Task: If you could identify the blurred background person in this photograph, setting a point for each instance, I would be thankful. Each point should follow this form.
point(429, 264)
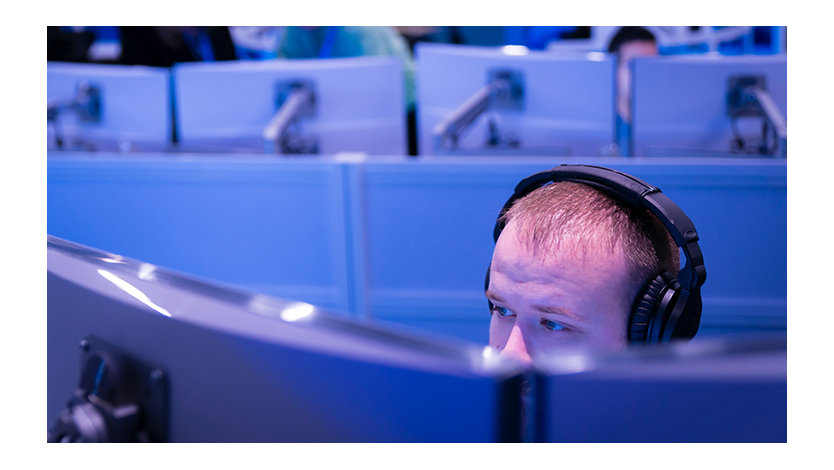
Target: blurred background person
point(66, 44)
point(164, 46)
point(628, 43)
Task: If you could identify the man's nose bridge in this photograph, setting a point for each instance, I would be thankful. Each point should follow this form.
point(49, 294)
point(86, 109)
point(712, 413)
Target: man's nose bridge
point(515, 334)
point(516, 342)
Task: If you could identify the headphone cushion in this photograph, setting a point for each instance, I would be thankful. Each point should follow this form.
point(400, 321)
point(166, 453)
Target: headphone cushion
point(645, 307)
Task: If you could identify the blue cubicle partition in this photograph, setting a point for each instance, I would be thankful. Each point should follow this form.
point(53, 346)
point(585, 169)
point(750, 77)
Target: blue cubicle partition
point(134, 105)
point(358, 104)
point(398, 239)
point(278, 227)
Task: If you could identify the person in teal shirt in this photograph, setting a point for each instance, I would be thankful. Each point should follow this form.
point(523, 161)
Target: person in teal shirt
point(322, 42)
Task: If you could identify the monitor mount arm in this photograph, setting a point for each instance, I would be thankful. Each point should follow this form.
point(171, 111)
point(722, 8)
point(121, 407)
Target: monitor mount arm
point(504, 90)
point(774, 118)
point(86, 104)
point(749, 93)
point(295, 99)
point(119, 398)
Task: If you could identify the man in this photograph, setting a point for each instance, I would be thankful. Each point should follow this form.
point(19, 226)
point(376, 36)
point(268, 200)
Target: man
point(567, 268)
point(629, 43)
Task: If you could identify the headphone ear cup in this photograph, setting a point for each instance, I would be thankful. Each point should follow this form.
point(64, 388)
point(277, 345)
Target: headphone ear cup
point(644, 311)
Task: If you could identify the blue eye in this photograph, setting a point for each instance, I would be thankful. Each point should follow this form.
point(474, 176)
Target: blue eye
point(552, 325)
point(501, 311)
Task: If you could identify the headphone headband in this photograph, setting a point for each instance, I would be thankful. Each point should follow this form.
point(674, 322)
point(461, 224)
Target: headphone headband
point(623, 187)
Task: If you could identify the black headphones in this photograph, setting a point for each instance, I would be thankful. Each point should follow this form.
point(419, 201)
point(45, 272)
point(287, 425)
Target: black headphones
point(668, 307)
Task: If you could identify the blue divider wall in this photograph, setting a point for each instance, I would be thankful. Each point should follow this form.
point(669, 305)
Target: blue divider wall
point(277, 227)
point(398, 239)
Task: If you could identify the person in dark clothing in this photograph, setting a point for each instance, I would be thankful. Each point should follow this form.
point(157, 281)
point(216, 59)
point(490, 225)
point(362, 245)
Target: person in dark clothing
point(64, 45)
point(164, 46)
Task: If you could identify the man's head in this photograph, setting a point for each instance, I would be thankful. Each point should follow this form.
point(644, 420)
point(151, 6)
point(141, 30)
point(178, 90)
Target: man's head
point(567, 268)
point(629, 43)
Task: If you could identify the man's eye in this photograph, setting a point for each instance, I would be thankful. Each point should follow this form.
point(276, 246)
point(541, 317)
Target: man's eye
point(501, 311)
point(552, 325)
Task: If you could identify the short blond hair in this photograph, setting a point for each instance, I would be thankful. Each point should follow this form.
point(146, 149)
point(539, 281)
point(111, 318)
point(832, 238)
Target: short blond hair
point(583, 217)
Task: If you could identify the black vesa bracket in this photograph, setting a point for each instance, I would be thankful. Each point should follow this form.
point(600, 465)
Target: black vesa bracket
point(740, 97)
point(118, 399)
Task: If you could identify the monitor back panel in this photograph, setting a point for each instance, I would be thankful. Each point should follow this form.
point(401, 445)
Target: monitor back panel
point(730, 397)
point(240, 371)
point(567, 108)
point(680, 103)
point(359, 104)
point(135, 110)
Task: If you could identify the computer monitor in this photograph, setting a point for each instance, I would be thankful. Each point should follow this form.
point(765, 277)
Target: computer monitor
point(709, 105)
point(310, 106)
point(136, 352)
point(513, 101)
point(107, 107)
point(723, 389)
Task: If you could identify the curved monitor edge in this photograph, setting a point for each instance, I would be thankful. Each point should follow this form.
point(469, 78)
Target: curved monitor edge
point(347, 336)
point(681, 355)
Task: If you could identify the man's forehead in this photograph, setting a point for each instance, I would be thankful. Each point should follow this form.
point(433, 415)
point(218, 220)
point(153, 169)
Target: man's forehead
point(590, 249)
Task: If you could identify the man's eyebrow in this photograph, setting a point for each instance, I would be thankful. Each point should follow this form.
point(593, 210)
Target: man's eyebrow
point(492, 295)
point(556, 310)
